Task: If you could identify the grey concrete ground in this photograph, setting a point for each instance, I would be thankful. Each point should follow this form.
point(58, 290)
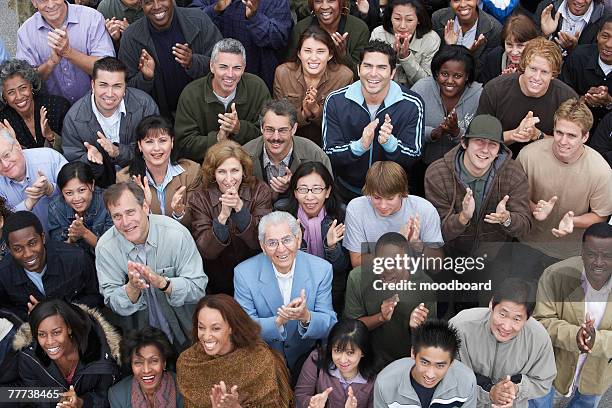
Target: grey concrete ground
point(8, 33)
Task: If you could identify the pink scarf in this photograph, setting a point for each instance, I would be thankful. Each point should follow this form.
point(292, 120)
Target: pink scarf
point(312, 232)
point(165, 396)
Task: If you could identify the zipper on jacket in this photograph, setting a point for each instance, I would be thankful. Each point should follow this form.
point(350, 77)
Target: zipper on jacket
point(494, 361)
point(45, 370)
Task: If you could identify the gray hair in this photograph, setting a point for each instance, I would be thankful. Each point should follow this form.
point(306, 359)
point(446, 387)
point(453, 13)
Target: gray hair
point(280, 107)
point(276, 218)
point(230, 46)
point(4, 134)
point(13, 67)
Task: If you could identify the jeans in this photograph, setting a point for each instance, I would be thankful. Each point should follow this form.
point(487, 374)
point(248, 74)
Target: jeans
point(578, 400)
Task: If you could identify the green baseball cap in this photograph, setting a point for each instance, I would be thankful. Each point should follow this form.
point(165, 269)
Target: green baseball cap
point(486, 127)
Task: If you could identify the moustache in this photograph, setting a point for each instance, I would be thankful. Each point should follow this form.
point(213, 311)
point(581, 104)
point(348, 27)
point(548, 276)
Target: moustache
point(276, 141)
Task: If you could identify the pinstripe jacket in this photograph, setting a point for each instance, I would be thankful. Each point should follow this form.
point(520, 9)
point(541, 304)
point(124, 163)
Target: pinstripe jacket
point(345, 114)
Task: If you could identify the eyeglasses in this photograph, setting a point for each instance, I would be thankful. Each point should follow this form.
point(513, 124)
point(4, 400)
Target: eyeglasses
point(303, 190)
point(269, 131)
point(5, 157)
point(286, 241)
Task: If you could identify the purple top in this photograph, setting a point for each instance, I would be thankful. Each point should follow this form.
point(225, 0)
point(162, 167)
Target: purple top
point(87, 34)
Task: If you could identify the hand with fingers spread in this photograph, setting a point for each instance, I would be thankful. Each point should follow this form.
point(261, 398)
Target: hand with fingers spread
point(319, 400)
point(108, 146)
point(93, 154)
point(363, 6)
point(222, 396)
point(504, 392)
point(468, 206)
point(6, 125)
point(47, 133)
point(367, 136)
point(568, 41)
point(251, 8)
point(543, 208)
point(402, 45)
point(229, 121)
point(143, 182)
point(566, 225)
point(281, 184)
point(450, 36)
point(32, 303)
point(387, 307)
point(178, 203)
point(351, 399)
point(479, 42)
point(548, 23)
point(585, 338)
point(335, 234)
point(69, 399)
point(385, 131)
point(183, 55)
point(57, 39)
point(146, 65)
point(501, 214)
point(341, 43)
point(418, 316)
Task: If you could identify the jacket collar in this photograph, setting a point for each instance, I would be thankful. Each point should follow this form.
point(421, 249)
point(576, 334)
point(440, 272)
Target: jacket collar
point(355, 94)
point(269, 285)
point(441, 394)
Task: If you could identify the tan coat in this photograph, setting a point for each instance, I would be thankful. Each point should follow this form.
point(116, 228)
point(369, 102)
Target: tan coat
point(189, 178)
point(561, 310)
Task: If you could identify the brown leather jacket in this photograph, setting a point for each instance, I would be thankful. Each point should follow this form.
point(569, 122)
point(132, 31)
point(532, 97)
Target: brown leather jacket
point(220, 257)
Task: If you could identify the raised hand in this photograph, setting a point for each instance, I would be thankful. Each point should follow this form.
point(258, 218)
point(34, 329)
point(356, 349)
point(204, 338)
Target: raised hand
point(77, 229)
point(568, 41)
point(526, 131)
point(418, 316)
point(385, 131)
point(504, 392)
point(135, 279)
point(6, 125)
point(251, 7)
point(402, 45)
point(37, 190)
point(451, 124)
point(450, 36)
point(146, 273)
point(93, 154)
point(363, 6)
point(479, 42)
point(110, 148)
point(544, 208)
point(412, 229)
point(221, 5)
point(335, 234)
point(183, 55)
point(585, 338)
point(143, 182)
point(340, 41)
point(32, 303)
point(146, 65)
point(229, 121)
point(281, 184)
point(69, 399)
point(598, 96)
point(114, 30)
point(351, 400)
point(223, 397)
point(310, 107)
point(57, 39)
point(387, 307)
point(468, 206)
point(177, 203)
point(548, 23)
point(367, 136)
point(566, 225)
point(500, 215)
point(44, 126)
point(319, 400)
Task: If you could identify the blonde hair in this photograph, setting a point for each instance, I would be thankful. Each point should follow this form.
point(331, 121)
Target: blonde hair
point(220, 152)
point(544, 48)
point(386, 179)
point(577, 112)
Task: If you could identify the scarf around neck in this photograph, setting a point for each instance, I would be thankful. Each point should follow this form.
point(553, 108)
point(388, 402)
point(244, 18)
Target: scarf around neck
point(312, 232)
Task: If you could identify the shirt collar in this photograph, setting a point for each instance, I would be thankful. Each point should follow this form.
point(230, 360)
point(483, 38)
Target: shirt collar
point(358, 379)
point(172, 171)
point(119, 111)
point(604, 67)
point(267, 161)
point(286, 276)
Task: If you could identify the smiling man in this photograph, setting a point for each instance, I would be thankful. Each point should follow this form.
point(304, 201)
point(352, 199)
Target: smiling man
point(100, 128)
point(432, 377)
point(285, 290)
point(225, 104)
point(575, 306)
point(570, 186)
point(509, 351)
point(63, 41)
point(166, 50)
point(142, 279)
point(524, 101)
point(38, 269)
point(371, 120)
point(279, 152)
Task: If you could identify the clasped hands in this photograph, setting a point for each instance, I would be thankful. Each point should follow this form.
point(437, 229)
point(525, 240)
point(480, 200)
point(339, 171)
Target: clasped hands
point(297, 309)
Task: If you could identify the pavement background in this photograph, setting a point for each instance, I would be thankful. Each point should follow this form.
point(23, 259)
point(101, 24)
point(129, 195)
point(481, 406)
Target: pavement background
point(8, 33)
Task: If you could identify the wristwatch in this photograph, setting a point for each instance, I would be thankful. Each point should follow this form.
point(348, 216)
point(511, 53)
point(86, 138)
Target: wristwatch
point(167, 285)
point(541, 135)
point(507, 222)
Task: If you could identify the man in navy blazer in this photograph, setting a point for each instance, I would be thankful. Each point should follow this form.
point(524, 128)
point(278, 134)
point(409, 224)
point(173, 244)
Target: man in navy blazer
point(287, 291)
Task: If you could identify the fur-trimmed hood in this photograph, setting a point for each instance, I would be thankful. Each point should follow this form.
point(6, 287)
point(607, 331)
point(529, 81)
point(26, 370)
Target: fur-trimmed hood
point(100, 327)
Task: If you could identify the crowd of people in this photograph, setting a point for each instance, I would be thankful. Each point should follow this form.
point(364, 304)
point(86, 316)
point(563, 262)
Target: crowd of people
point(205, 203)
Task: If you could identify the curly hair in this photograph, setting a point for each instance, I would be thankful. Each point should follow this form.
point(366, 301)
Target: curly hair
point(135, 340)
point(12, 67)
point(220, 152)
point(541, 47)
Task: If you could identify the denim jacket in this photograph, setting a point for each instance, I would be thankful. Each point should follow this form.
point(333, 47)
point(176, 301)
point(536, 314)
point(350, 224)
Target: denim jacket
point(96, 219)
